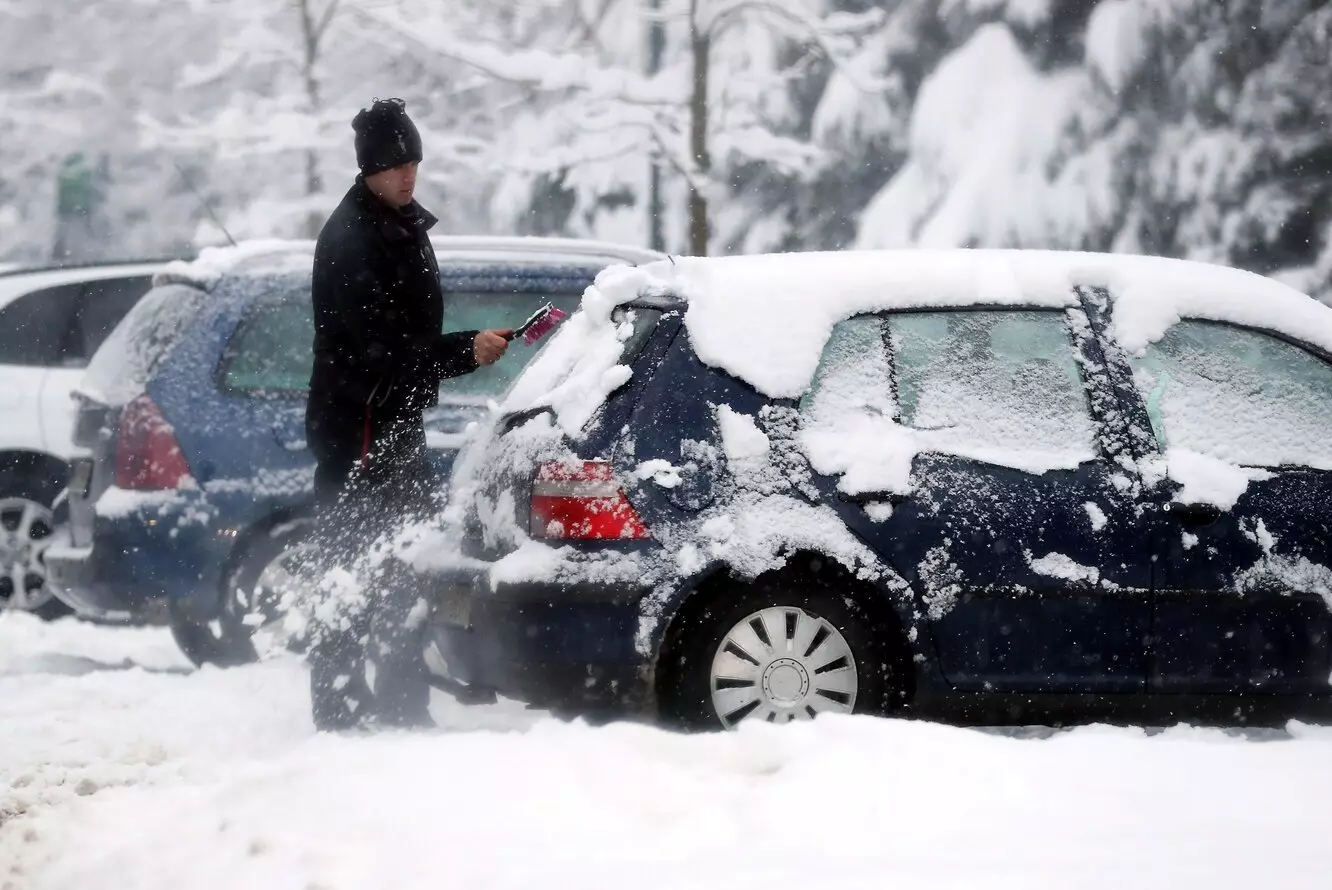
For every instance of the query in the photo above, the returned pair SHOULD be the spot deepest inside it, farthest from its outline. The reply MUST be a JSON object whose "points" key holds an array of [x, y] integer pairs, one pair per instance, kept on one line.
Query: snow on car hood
{"points": [[766, 318]]}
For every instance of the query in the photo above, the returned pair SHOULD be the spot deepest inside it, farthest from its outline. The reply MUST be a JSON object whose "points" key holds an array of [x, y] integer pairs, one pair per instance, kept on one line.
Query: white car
{"points": [[51, 322]]}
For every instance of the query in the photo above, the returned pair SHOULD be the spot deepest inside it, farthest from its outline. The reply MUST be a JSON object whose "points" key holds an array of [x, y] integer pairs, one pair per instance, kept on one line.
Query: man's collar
{"points": [[396, 225]]}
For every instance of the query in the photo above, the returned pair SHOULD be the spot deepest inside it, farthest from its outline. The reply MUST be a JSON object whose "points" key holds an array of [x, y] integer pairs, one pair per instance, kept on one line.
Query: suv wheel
{"points": [[26, 526], [775, 653], [249, 622]]}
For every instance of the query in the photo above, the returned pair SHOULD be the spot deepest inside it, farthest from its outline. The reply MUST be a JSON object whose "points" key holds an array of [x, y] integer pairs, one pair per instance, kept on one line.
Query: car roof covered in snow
{"points": [[280, 256], [765, 318], [14, 283]]}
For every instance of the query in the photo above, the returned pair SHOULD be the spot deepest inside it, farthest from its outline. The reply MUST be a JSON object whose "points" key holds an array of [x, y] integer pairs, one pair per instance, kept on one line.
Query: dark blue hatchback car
{"points": [[773, 487], [193, 481]]}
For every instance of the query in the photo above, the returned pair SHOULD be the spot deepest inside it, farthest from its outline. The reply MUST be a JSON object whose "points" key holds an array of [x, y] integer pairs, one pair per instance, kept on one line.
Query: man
{"points": [[379, 356]]}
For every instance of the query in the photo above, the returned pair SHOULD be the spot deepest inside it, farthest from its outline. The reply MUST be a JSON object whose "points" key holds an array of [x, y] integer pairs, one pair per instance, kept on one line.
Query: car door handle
{"points": [[1194, 515]]}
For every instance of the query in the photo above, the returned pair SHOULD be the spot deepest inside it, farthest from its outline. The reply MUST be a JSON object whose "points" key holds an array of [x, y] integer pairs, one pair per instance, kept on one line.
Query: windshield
{"points": [[271, 352], [121, 366], [479, 311]]}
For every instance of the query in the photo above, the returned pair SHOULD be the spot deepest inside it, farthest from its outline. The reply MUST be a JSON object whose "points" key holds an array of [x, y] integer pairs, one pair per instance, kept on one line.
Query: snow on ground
{"points": [[124, 768]]}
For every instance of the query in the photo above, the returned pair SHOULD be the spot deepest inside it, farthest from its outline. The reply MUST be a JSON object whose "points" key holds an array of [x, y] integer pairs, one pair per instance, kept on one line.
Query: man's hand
{"points": [[490, 346]]}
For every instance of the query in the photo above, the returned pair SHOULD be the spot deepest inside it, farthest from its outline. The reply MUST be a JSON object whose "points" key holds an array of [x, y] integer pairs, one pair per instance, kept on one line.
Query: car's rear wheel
{"points": [[777, 652], [253, 602], [26, 528]]}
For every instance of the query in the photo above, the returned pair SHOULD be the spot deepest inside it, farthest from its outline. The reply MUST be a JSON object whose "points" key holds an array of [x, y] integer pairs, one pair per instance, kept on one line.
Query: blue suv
{"points": [[772, 487], [192, 482]]}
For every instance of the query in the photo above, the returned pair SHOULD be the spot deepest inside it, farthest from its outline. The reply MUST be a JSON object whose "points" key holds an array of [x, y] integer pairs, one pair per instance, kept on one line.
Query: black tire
{"points": [[228, 641], [684, 689], [30, 483]]}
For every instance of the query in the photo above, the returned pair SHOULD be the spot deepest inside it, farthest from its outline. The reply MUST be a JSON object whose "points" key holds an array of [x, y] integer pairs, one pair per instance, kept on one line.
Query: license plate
{"points": [[81, 477], [455, 607]]}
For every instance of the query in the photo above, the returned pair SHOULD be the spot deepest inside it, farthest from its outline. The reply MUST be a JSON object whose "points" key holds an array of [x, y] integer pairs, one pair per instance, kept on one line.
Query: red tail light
{"points": [[581, 501], [148, 457]]}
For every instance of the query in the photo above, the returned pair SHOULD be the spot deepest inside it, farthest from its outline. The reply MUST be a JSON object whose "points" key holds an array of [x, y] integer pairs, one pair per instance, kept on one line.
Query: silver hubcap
{"points": [[782, 664], [25, 533], [278, 588]]}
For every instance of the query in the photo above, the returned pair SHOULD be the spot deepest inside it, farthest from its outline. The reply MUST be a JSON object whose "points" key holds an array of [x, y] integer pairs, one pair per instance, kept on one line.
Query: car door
{"points": [[34, 331], [1019, 534], [1244, 420], [266, 367]]}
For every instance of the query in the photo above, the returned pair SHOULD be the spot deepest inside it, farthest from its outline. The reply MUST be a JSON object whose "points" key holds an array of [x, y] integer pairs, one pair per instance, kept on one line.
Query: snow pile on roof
{"points": [[766, 318], [260, 255]]}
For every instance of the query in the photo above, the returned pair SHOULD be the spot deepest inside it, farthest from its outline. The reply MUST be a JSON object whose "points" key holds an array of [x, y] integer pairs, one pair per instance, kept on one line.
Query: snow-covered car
{"points": [[769, 487], [52, 320], [194, 484]]}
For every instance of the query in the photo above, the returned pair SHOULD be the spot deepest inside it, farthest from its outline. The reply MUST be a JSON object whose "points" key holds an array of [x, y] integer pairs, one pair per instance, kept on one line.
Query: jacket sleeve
{"points": [[455, 353], [386, 346]]}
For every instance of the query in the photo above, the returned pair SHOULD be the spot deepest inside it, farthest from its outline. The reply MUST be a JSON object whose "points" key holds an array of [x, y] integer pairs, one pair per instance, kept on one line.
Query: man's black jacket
{"points": [[378, 313]]}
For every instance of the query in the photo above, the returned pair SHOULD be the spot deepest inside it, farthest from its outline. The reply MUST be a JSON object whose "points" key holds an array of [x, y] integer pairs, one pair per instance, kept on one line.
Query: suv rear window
{"points": [[272, 349], [120, 368], [569, 371]]}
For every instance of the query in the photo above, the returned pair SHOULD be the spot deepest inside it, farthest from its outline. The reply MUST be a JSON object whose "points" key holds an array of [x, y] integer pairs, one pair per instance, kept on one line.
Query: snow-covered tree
{"points": [[587, 118]]}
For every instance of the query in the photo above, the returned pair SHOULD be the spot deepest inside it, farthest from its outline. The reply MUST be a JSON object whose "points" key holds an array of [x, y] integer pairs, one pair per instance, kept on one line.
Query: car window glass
{"points": [[853, 374], [1002, 380], [273, 349], [127, 358], [104, 303], [468, 311], [34, 329], [1238, 395]]}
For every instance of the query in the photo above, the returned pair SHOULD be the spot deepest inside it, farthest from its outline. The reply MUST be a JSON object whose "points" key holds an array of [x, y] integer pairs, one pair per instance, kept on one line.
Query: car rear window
{"points": [[122, 365], [272, 349], [481, 311], [574, 372]]}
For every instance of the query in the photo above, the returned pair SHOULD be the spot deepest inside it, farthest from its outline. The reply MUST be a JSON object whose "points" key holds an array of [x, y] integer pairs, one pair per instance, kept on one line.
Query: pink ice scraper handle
{"points": [[538, 324]]}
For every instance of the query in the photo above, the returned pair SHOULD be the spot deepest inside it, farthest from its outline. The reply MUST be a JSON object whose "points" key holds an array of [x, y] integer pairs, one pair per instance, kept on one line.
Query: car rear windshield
{"points": [[271, 351], [571, 355], [120, 368]]}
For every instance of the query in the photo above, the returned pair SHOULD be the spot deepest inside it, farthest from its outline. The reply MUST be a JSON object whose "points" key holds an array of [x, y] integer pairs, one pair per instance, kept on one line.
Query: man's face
{"points": [[395, 185]]}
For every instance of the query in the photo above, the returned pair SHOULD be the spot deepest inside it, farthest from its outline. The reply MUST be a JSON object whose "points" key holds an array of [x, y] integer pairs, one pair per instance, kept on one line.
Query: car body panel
{"points": [[1124, 610], [243, 435]]}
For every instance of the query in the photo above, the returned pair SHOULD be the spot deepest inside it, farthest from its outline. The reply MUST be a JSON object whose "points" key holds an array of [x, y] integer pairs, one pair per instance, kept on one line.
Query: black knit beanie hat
{"points": [[385, 136]]}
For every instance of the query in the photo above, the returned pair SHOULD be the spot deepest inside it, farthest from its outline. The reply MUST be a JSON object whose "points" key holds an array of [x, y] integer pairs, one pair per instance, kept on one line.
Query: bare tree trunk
{"points": [[312, 33], [656, 44], [701, 45]]}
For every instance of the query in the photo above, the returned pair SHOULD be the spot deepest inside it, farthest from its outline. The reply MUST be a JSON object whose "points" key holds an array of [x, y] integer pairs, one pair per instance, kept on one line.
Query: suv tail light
{"points": [[148, 457], [581, 501]]}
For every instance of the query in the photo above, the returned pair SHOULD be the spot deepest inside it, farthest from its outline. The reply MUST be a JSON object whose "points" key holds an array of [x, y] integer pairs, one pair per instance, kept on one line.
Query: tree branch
{"points": [[325, 20], [799, 25]]}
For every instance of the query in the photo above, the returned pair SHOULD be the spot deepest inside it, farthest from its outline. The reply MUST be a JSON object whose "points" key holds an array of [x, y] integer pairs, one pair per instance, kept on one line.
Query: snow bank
{"points": [[173, 779]]}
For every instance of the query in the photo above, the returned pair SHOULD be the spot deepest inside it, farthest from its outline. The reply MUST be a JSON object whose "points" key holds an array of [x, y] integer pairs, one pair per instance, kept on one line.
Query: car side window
{"points": [[1237, 394], [1006, 381], [102, 305], [272, 350], [854, 374], [35, 328]]}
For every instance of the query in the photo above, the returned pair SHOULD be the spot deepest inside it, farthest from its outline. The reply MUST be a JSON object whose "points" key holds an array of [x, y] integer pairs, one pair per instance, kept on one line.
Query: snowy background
{"points": [[123, 767], [1193, 128]]}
